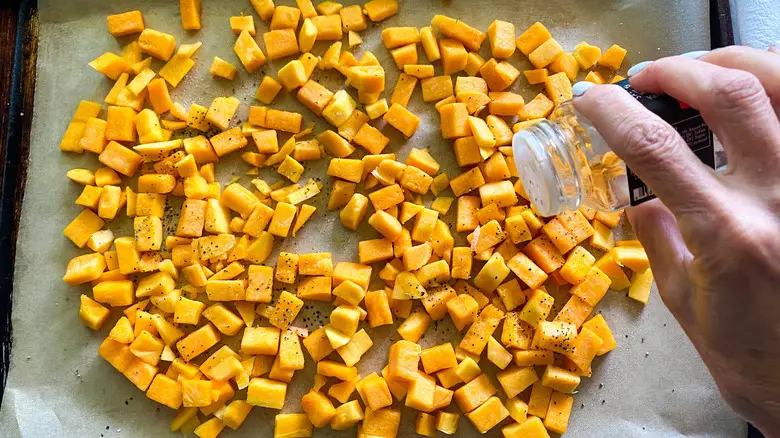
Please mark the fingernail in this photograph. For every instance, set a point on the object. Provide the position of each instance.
(638, 67)
(696, 55)
(581, 87)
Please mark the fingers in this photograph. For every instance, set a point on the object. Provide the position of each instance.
(761, 64)
(651, 148)
(656, 227)
(732, 102)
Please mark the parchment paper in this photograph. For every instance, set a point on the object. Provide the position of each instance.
(653, 384)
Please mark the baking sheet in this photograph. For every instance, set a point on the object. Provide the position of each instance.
(652, 385)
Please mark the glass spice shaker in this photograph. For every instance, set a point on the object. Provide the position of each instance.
(564, 162)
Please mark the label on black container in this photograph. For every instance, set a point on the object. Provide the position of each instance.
(688, 123)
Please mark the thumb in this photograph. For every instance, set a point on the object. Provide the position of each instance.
(656, 227)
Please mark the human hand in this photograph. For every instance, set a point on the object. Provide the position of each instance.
(713, 239)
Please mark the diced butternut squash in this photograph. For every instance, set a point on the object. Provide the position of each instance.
(613, 57)
(502, 39)
(641, 282)
(266, 393)
(319, 408)
(126, 23)
(476, 337)
(353, 19)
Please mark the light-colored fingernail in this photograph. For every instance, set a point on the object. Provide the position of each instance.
(638, 67)
(581, 87)
(696, 55)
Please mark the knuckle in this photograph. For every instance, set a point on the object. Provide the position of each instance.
(648, 141)
(660, 65)
(738, 89)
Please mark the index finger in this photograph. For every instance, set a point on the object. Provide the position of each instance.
(733, 102)
(764, 65)
(651, 148)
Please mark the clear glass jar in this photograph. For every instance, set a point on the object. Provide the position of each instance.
(564, 163)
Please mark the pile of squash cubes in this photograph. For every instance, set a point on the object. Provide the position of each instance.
(181, 293)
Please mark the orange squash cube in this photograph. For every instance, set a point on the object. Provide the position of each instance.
(318, 407)
(249, 53)
(502, 39)
(438, 358)
(280, 43)
(488, 415)
(286, 121)
(499, 75)
(421, 393)
(565, 63)
(378, 10)
(515, 380)
(593, 286)
(158, 44)
(454, 28)
(505, 103)
(558, 87)
(197, 342)
(241, 23)
(453, 55)
(577, 265)
(454, 119)
(613, 57)
(292, 425)
(560, 380)
(537, 308)
(402, 119)
(117, 354)
(463, 310)
(266, 393)
(91, 313)
(545, 53)
(641, 282)
(584, 348)
(285, 17)
(575, 311)
(532, 38)
(542, 252)
(476, 338)
(126, 23)
(352, 19)
(599, 327)
(374, 392)
(403, 361)
(166, 391)
(474, 393)
(378, 308)
(437, 88)
(586, 55)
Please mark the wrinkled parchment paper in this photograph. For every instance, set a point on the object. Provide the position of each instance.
(652, 385)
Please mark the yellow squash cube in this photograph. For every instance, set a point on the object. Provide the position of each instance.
(266, 393)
